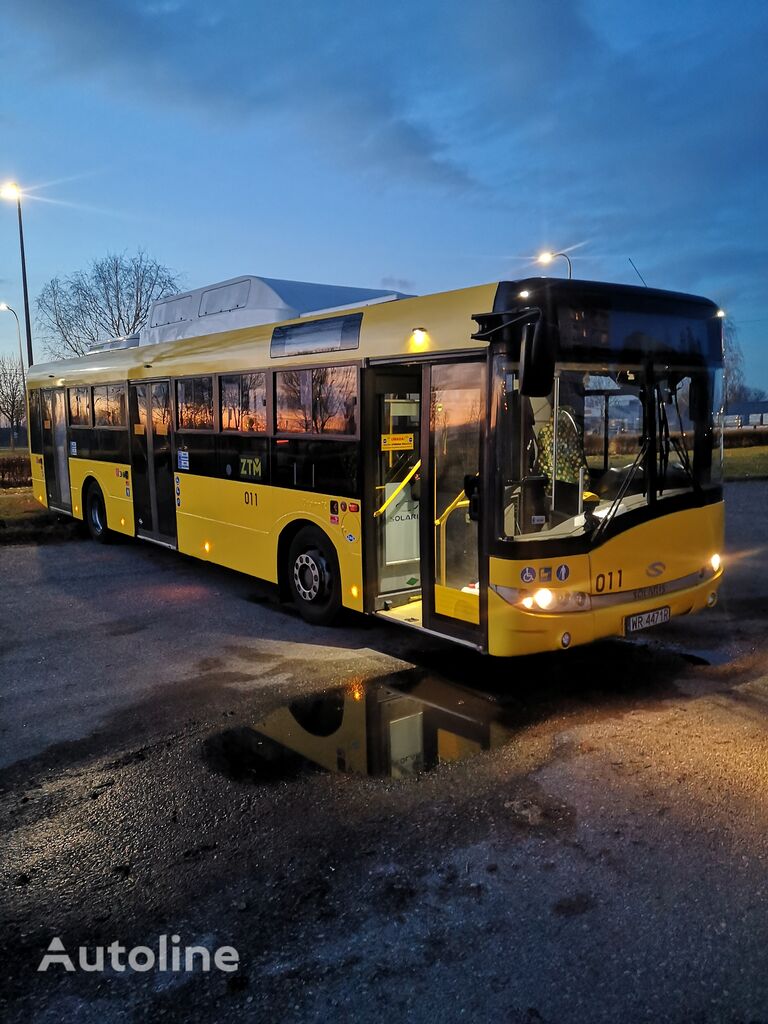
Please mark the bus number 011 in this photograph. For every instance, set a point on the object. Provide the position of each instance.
(608, 581)
(251, 498)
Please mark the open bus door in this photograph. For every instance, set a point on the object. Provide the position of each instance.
(427, 432)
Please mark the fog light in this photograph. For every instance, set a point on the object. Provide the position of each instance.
(715, 561)
(565, 639)
(543, 598)
(527, 602)
(712, 600)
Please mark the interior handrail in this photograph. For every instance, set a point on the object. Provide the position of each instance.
(397, 490)
(460, 501)
(456, 503)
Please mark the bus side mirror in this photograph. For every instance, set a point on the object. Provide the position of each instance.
(537, 362)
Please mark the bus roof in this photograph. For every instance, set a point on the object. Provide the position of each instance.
(387, 332)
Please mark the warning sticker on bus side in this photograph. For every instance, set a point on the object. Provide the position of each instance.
(397, 442)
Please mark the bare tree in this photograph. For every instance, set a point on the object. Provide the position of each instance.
(733, 363)
(110, 299)
(736, 390)
(11, 394)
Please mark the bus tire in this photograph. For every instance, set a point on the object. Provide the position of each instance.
(314, 579)
(96, 515)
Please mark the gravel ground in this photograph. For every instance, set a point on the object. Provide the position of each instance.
(607, 863)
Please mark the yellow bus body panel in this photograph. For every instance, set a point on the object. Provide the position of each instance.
(114, 479)
(682, 543)
(238, 525)
(457, 604)
(38, 479)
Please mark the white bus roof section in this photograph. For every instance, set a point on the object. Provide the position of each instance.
(247, 302)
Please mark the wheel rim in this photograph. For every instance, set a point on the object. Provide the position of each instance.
(96, 514)
(309, 575)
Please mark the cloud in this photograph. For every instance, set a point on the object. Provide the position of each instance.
(640, 127)
(289, 58)
(398, 284)
(536, 101)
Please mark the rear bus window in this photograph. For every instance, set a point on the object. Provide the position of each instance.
(244, 403)
(321, 401)
(80, 407)
(109, 405)
(195, 403)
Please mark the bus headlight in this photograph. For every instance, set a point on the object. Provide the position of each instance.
(715, 561)
(554, 602)
(569, 601)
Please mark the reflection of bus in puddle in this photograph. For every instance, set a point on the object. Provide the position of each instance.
(386, 729)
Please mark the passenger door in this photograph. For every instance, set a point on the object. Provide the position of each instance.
(396, 443)
(55, 449)
(151, 424)
(453, 453)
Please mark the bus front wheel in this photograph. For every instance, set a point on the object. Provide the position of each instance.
(313, 576)
(96, 515)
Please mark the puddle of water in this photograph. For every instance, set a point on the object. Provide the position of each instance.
(395, 728)
(693, 655)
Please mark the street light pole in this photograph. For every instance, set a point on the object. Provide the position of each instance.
(12, 191)
(547, 257)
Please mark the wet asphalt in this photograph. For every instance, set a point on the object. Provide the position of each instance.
(606, 863)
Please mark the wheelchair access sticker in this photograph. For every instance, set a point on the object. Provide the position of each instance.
(528, 575)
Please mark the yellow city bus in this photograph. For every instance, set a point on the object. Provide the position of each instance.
(520, 466)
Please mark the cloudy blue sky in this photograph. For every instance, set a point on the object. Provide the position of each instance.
(420, 145)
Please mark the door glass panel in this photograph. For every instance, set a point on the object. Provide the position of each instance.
(140, 440)
(60, 446)
(398, 486)
(457, 407)
(153, 487)
(49, 452)
(161, 408)
(162, 458)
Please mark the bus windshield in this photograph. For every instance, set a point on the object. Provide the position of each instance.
(608, 439)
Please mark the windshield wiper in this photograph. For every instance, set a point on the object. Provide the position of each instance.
(682, 447)
(667, 441)
(605, 520)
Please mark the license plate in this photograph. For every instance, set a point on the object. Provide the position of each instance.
(644, 620)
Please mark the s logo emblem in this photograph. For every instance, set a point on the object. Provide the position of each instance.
(655, 569)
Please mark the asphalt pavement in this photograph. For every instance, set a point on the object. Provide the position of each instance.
(603, 859)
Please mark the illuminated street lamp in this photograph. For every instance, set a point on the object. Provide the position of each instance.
(11, 192)
(5, 308)
(547, 257)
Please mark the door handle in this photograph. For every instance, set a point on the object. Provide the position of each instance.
(472, 491)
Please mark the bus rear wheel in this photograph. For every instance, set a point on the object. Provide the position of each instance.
(96, 515)
(314, 579)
